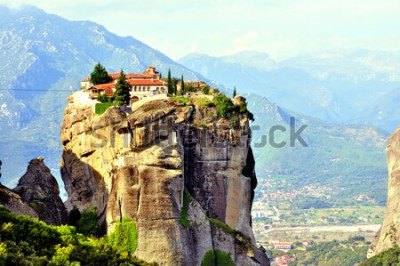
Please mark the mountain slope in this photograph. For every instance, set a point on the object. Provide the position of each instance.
(346, 160)
(331, 86)
(43, 56)
(384, 112)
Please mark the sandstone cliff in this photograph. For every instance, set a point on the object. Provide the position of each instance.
(389, 234)
(138, 164)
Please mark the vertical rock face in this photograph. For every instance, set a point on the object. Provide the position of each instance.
(138, 165)
(389, 234)
(39, 188)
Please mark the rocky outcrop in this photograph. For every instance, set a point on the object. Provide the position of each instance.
(39, 188)
(15, 203)
(389, 234)
(138, 164)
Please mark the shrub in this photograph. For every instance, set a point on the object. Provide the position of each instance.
(100, 108)
(217, 258)
(189, 88)
(224, 105)
(124, 236)
(103, 98)
(205, 89)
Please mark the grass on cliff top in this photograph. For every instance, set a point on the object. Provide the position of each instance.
(180, 99)
(100, 108)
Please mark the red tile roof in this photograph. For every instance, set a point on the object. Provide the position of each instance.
(147, 74)
(154, 82)
(104, 86)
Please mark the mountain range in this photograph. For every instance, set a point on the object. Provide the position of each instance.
(44, 56)
(338, 87)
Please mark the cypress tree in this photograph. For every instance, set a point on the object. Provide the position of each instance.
(122, 90)
(175, 85)
(99, 75)
(234, 92)
(170, 85)
(182, 86)
(0, 166)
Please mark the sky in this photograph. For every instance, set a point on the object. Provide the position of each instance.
(281, 28)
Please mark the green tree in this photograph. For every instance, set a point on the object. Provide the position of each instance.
(122, 90)
(124, 236)
(87, 224)
(99, 75)
(0, 167)
(234, 92)
(182, 86)
(175, 85)
(170, 85)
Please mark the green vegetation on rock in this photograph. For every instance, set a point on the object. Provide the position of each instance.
(223, 225)
(124, 236)
(217, 258)
(224, 105)
(100, 108)
(386, 258)
(180, 99)
(26, 241)
(185, 207)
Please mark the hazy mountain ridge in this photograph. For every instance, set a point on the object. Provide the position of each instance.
(335, 86)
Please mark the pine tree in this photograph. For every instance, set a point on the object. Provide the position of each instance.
(0, 166)
(182, 86)
(122, 90)
(99, 75)
(234, 92)
(170, 85)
